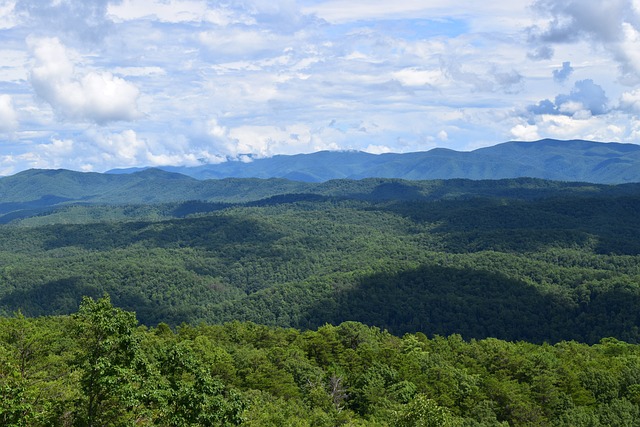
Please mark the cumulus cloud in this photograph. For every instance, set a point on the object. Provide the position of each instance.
(95, 96)
(613, 24)
(563, 73)
(586, 98)
(8, 116)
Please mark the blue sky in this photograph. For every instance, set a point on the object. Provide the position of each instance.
(95, 84)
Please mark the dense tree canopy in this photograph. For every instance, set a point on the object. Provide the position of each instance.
(414, 304)
(99, 367)
(515, 259)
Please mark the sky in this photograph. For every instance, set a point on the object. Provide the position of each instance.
(92, 85)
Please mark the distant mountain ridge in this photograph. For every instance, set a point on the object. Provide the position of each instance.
(572, 160)
(534, 167)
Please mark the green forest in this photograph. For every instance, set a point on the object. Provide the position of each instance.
(373, 302)
(99, 367)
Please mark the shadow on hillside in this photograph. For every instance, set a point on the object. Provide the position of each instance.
(46, 201)
(478, 304)
(209, 233)
(383, 191)
(192, 207)
(63, 296)
(604, 225)
(51, 298)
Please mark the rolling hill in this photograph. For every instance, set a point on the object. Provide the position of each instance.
(63, 195)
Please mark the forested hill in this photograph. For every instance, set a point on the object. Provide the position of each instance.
(575, 160)
(512, 259)
(365, 303)
(37, 192)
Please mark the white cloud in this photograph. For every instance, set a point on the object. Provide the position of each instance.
(338, 11)
(12, 65)
(489, 78)
(165, 11)
(82, 21)
(417, 77)
(586, 96)
(525, 132)
(612, 127)
(125, 147)
(279, 15)
(628, 53)
(630, 101)
(498, 15)
(58, 153)
(8, 18)
(54, 154)
(269, 140)
(240, 42)
(8, 116)
(139, 71)
(377, 149)
(97, 150)
(96, 96)
(613, 25)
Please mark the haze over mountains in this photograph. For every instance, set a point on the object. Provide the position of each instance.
(575, 160)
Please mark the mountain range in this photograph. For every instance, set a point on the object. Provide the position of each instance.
(574, 160)
(565, 166)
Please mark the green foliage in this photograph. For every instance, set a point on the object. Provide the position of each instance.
(445, 265)
(189, 394)
(112, 364)
(99, 367)
(424, 412)
(515, 259)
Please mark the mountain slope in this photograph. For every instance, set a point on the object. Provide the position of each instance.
(562, 266)
(63, 195)
(576, 160)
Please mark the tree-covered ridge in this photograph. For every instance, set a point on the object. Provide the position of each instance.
(517, 259)
(65, 196)
(574, 160)
(99, 367)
